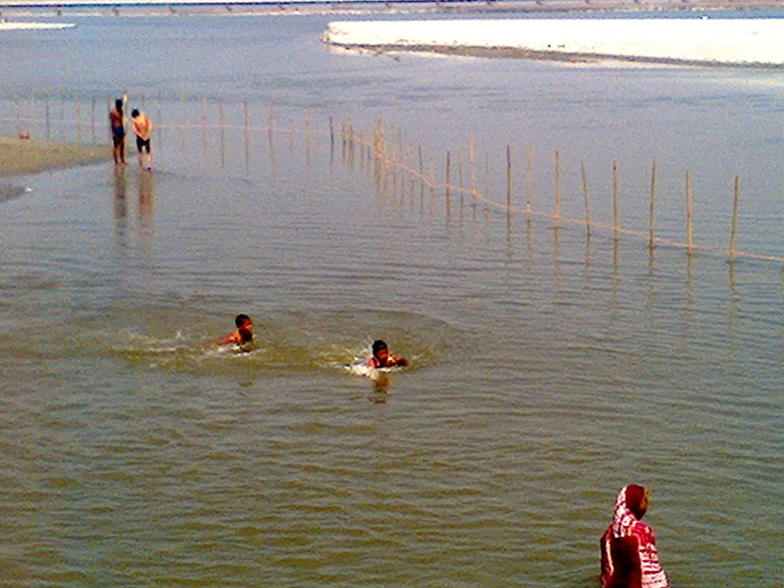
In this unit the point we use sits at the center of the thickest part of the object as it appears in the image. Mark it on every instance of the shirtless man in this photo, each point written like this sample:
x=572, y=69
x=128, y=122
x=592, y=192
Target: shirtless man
x=142, y=126
x=382, y=358
x=118, y=132
x=243, y=334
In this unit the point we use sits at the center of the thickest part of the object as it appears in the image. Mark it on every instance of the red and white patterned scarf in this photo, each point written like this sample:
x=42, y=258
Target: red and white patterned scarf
x=626, y=524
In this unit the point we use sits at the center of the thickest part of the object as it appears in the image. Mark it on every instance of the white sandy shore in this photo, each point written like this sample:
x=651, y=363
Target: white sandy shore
x=744, y=42
x=18, y=26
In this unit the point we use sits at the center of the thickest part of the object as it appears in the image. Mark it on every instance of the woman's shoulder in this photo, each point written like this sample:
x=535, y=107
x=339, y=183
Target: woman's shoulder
x=642, y=531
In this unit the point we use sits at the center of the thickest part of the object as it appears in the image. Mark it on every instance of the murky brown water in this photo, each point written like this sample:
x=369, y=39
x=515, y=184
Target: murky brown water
x=548, y=368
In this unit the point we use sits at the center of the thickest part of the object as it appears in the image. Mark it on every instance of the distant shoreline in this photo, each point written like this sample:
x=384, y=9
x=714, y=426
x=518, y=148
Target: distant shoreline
x=64, y=8
x=536, y=55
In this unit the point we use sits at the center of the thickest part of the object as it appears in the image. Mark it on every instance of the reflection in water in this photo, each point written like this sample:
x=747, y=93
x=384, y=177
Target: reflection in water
x=145, y=209
x=120, y=205
x=380, y=392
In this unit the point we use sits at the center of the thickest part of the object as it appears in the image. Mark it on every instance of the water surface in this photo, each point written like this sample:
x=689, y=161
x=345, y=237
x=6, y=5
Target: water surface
x=549, y=368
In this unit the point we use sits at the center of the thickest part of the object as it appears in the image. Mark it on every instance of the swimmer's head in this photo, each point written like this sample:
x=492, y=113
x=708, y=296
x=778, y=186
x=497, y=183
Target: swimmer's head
x=380, y=349
x=134, y=113
x=243, y=320
x=118, y=104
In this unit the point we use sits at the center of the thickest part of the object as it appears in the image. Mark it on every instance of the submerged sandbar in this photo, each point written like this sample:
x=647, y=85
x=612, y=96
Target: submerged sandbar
x=746, y=42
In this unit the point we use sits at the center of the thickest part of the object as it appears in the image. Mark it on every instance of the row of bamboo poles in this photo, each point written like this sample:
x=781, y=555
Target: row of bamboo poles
x=390, y=156
x=388, y=159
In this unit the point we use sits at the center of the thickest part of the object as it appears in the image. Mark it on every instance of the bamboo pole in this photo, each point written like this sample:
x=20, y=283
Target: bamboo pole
x=460, y=181
x=585, y=198
x=78, y=117
x=472, y=165
x=204, y=153
x=271, y=123
x=331, y=138
x=508, y=178
x=734, y=227
x=222, y=125
x=557, y=173
x=160, y=117
x=652, y=207
x=529, y=179
x=689, y=212
x=246, y=134
x=447, y=178
x=486, y=190
x=615, y=183
x=92, y=119
x=432, y=179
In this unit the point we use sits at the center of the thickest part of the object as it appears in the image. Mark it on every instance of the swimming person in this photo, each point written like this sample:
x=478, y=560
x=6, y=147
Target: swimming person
x=628, y=546
x=142, y=126
x=243, y=334
x=382, y=358
x=118, y=132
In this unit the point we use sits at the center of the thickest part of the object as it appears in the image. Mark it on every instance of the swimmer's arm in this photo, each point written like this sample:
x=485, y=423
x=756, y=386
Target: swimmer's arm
x=401, y=361
x=228, y=339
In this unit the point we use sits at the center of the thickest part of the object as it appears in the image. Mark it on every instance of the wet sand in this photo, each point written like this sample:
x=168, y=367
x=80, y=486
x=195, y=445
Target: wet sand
x=21, y=156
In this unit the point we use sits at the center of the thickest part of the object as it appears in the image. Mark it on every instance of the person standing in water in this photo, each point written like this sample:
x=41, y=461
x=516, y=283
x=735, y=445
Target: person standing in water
x=243, y=334
x=142, y=126
x=628, y=546
x=382, y=358
x=118, y=132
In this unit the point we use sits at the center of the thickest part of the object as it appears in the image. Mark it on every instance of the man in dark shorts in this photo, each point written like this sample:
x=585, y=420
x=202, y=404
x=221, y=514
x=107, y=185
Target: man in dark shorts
x=118, y=132
x=142, y=126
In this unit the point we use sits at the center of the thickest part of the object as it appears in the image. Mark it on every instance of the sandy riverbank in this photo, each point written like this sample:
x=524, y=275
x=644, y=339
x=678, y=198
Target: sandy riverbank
x=21, y=156
x=710, y=41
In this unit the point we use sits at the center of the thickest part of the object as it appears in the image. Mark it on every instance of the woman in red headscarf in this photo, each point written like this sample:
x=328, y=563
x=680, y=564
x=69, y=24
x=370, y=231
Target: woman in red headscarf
x=629, y=556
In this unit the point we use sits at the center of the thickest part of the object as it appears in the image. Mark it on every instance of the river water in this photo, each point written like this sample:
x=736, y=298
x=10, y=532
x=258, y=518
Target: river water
x=549, y=367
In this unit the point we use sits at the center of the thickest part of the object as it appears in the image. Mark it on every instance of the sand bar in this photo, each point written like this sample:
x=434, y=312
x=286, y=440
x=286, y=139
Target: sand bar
x=20, y=26
x=21, y=156
x=747, y=42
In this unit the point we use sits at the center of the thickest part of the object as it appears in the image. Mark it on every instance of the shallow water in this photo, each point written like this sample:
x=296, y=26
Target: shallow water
x=549, y=368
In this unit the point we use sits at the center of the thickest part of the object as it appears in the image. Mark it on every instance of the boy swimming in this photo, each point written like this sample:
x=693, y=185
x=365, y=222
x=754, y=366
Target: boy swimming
x=243, y=334
x=382, y=358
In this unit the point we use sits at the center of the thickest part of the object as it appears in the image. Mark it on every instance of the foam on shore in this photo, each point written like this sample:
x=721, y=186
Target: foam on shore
x=735, y=42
